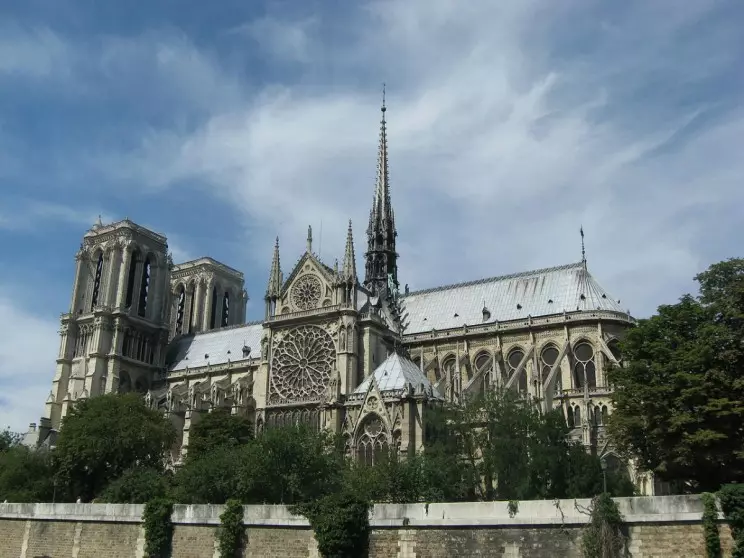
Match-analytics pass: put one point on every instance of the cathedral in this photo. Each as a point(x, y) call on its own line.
point(337, 349)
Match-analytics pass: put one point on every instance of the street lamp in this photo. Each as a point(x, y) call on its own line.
point(603, 464)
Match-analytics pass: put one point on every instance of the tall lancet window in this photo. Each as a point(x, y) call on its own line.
point(97, 282)
point(180, 309)
point(225, 310)
point(585, 371)
point(132, 277)
point(144, 288)
point(213, 312)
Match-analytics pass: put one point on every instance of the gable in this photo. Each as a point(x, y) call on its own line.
point(309, 287)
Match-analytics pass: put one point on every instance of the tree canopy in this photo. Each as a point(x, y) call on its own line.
point(104, 436)
point(219, 428)
point(679, 397)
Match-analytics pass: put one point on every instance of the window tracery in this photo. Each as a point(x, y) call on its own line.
point(97, 282)
point(512, 361)
point(585, 370)
point(180, 309)
point(306, 292)
point(302, 364)
point(282, 418)
point(373, 444)
point(484, 363)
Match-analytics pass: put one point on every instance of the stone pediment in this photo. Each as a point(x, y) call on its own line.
point(309, 286)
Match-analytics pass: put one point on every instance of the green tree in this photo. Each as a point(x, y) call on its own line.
point(8, 439)
point(679, 398)
point(136, 486)
point(26, 475)
point(104, 436)
point(219, 428)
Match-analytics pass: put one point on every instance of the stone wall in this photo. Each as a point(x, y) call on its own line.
point(657, 526)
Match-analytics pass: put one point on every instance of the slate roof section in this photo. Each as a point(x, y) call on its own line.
point(510, 297)
point(395, 373)
point(217, 346)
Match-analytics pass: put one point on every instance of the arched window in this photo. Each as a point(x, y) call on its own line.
point(181, 306)
point(577, 416)
point(449, 368)
point(548, 358)
point(144, 288)
point(484, 363)
point(585, 371)
point(97, 282)
point(125, 382)
point(225, 319)
point(605, 414)
point(132, 277)
point(213, 313)
point(194, 304)
point(570, 417)
point(417, 361)
point(512, 362)
point(373, 443)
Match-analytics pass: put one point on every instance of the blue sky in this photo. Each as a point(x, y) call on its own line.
point(511, 123)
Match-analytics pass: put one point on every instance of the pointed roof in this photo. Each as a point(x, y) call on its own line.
point(348, 270)
point(397, 373)
point(543, 292)
point(381, 216)
point(275, 276)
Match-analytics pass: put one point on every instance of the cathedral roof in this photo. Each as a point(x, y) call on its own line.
point(216, 347)
point(542, 292)
point(397, 373)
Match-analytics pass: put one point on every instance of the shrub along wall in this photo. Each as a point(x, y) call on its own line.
point(656, 526)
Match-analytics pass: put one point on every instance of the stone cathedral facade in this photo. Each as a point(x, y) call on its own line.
point(335, 350)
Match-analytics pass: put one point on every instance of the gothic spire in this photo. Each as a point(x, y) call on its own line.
point(348, 270)
point(275, 276)
point(381, 258)
point(309, 239)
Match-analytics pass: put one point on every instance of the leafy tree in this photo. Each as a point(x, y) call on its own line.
point(219, 428)
point(104, 436)
point(136, 486)
point(679, 398)
point(8, 439)
point(26, 475)
point(213, 478)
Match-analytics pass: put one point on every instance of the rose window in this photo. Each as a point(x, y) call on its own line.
point(306, 292)
point(302, 364)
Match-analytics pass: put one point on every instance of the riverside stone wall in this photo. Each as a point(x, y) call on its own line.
point(662, 526)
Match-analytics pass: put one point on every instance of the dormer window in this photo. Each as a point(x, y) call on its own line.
point(519, 306)
point(246, 351)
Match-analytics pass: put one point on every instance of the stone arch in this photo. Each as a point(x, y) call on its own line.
point(584, 366)
point(483, 362)
point(373, 441)
point(514, 357)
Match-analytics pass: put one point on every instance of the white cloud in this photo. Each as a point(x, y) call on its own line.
point(28, 215)
point(32, 52)
point(28, 349)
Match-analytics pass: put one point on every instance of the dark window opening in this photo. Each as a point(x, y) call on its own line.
point(144, 288)
point(97, 282)
point(225, 310)
point(180, 310)
point(213, 313)
point(132, 278)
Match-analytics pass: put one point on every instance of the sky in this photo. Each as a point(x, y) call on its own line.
point(510, 124)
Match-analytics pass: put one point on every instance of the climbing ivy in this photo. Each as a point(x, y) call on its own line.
point(158, 528)
point(232, 530)
point(731, 497)
point(340, 522)
point(604, 537)
point(710, 526)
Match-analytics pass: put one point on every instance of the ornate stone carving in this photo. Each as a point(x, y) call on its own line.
point(302, 364)
point(306, 292)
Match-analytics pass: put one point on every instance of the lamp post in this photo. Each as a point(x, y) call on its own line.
point(603, 464)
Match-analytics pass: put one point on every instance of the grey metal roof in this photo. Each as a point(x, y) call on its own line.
point(217, 346)
point(396, 373)
point(510, 297)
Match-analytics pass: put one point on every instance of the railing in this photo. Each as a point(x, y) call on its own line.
point(305, 313)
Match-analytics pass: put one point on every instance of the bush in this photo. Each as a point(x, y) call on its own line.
point(158, 528)
point(136, 486)
point(710, 526)
point(231, 529)
point(341, 524)
point(603, 538)
point(731, 497)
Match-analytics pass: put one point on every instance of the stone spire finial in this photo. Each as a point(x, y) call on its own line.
point(275, 276)
point(309, 239)
point(381, 258)
point(348, 270)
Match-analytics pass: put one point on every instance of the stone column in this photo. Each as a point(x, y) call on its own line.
point(79, 257)
point(198, 305)
point(126, 260)
point(207, 322)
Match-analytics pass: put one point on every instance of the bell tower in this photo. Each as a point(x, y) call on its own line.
point(113, 338)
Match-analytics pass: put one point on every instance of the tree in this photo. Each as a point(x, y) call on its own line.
point(136, 486)
point(26, 475)
point(104, 436)
point(219, 428)
point(679, 398)
point(8, 439)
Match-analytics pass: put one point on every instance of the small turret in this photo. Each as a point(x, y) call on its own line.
point(274, 287)
point(348, 269)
